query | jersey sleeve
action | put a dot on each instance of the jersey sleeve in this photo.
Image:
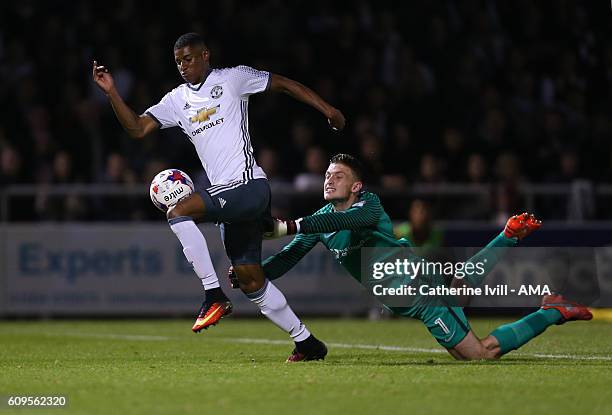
(278, 264)
(163, 112)
(364, 213)
(248, 81)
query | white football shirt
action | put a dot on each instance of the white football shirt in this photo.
(214, 115)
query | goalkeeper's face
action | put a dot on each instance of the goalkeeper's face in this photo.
(340, 183)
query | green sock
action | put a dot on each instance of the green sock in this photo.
(489, 256)
(514, 335)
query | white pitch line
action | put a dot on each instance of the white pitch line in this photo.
(137, 337)
(248, 340)
(338, 345)
(565, 356)
(409, 349)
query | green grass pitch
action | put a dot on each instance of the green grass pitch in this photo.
(160, 367)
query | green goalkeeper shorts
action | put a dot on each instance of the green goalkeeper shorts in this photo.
(448, 325)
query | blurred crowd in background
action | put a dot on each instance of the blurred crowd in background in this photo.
(480, 92)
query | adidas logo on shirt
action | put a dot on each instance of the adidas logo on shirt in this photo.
(187, 106)
(222, 202)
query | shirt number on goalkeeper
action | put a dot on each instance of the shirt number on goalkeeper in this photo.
(443, 326)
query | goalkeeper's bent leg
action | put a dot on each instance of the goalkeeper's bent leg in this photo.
(514, 335)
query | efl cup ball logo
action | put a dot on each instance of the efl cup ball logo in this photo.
(169, 187)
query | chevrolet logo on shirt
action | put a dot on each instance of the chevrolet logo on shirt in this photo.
(204, 114)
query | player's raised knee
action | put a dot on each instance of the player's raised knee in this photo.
(175, 212)
(192, 206)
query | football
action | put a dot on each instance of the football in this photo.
(169, 187)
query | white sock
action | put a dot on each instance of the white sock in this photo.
(273, 305)
(195, 250)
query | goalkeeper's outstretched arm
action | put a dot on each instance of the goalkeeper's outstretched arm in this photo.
(362, 214)
(277, 265)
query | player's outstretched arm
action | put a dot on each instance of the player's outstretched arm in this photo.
(279, 83)
(362, 214)
(277, 265)
(135, 125)
(280, 263)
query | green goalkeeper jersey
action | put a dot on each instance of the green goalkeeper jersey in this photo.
(364, 225)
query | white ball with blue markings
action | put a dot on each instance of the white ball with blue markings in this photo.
(169, 187)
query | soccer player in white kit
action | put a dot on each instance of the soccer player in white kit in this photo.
(211, 108)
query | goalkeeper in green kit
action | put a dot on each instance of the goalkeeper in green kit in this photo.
(354, 219)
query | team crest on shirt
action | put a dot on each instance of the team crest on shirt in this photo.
(204, 114)
(216, 91)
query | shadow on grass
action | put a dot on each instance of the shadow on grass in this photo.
(443, 361)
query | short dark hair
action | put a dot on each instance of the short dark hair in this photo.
(351, 162)
(189, 39)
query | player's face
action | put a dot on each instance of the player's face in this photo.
(340, 183)
(192, 63)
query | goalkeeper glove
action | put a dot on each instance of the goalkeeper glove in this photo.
(519, 226)
(279, 228)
